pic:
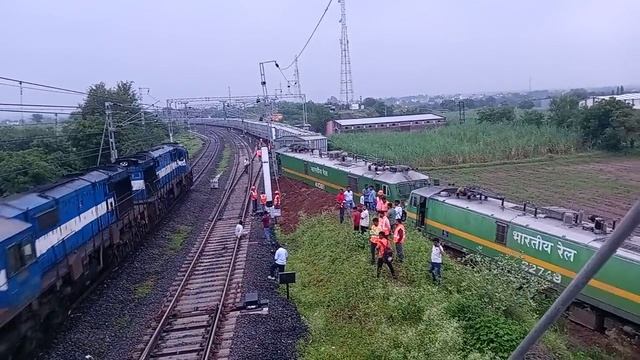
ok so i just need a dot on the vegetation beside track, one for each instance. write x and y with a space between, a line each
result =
478 312
224 162
190 141
179 237
461 144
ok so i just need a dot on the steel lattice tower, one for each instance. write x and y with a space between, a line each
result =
346 83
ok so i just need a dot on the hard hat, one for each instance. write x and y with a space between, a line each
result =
277 192
253 188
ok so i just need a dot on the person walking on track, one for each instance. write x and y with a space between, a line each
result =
385 254
436 261
340 204
399 236
276 200
348 198
279 262
364 220
266 227
373 239
254 198
239 229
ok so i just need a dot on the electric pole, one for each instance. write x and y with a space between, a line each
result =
21 108
296 77
111 131
140 96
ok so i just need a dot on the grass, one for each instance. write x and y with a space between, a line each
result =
474 314
190 141
224 162
143 289
178 238
461 144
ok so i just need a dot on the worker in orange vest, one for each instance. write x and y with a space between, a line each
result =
259 153
399 235
385 254
385 226
254 198
276 200
263 201
373 238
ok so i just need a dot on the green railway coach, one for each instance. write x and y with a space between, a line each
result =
333 171
552 242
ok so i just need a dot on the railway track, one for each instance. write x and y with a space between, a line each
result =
206 157
192 320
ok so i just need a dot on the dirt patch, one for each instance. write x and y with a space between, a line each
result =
299 198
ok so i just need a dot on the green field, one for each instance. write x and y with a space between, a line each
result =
599 183
461 144
476 313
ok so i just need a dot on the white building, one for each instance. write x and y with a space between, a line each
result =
632 99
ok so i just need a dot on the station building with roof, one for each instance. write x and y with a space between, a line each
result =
387 123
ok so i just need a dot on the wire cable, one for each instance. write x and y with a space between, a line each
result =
310 36
43 86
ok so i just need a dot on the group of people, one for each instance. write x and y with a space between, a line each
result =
277 202
385 229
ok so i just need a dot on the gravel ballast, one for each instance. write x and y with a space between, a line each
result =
266 336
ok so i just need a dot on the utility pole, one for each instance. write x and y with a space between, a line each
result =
21 108
111 130
142 102
56 126
296 77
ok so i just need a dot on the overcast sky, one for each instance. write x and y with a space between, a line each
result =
400 47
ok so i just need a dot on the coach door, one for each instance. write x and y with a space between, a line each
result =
353 182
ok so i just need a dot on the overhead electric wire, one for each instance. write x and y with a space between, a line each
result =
42 105
310 36
43 85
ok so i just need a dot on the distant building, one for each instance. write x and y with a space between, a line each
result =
388 123
631 99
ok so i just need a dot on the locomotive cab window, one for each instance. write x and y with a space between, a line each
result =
501 233
19 256
385 190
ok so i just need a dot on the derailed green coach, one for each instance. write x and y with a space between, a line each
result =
335 170
552 242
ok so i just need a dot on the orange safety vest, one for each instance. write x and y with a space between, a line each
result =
263 199
254 195
374 231
276 200
396 237
383 244
385 225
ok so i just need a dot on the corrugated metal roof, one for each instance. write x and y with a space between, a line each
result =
389 119
11 227
630 96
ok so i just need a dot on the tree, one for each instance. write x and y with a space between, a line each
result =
621 89
37 118
369 102
564 111
496 114
611 125
533 117
526 104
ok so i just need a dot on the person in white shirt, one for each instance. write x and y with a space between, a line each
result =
239 229
436 261
280 260
364 220
348 198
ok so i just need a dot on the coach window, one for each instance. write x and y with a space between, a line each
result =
501 233
19 256
385 190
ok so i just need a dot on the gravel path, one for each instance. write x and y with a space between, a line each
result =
111 321
276 334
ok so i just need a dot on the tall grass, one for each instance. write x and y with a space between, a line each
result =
461 144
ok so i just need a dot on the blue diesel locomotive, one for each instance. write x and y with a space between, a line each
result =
55 240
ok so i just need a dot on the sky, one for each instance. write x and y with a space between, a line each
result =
402 47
